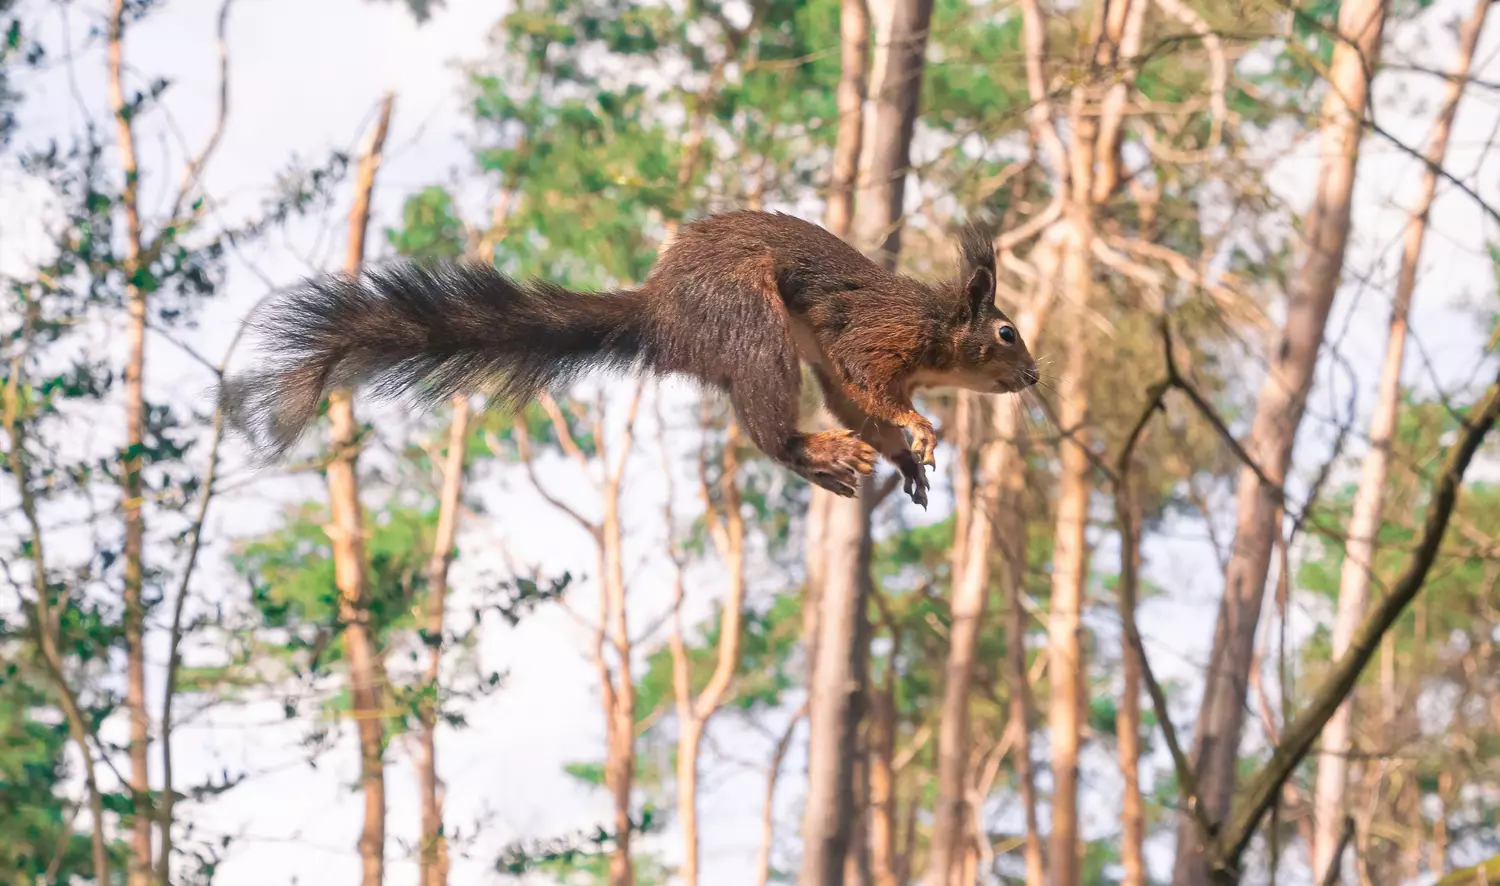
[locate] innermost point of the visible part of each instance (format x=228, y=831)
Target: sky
x=305, y=79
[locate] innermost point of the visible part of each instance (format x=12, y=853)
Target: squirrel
x=738, y=300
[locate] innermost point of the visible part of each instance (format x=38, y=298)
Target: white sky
x=305, y=78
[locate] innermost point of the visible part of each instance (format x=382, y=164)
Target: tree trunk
x=1279, y=410
x=620, y=758
x=727, y=528
x=854, y=37
x=883, y=780
x=971, y=581
x=1364, y=524
x=1066, y=670
x=433, y=860
x=347, y=535
x=140, y=865
x=768, y=816
x=895, y=95
x=835, y=704
x=1128, y=732
x=1065, y=666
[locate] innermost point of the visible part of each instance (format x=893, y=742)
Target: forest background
x=604, y=641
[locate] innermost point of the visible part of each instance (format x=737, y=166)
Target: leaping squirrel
x=735, y=301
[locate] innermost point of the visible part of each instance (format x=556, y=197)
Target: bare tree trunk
x=1010, y=537
x=971, y=580
x=768, y=817
x=433, y=856
x=857, y=854
x=1128, y=732
x=1066, y=668
x=140, y=868
x=1279, y=410
x=620, y=759
x=894, y=97
x=883, y=780
x=347, y=535
x=854, y=40
x=1359, y=550
x=727, y=529
x=836, y=695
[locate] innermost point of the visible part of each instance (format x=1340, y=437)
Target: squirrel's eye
x=1008, y=334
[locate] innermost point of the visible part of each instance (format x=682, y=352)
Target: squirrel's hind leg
x=761, y=371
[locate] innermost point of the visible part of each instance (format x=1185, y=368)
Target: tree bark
x=854, y=54
x=433, y=857
x=727, y=529
x=347, y=534
x=620, y=700
x=1364, y=523
x=835, y=704
x=895, y=95
x=1128, y=734
x=1065, y=666
x=992, y=498
x=883, y=724
x=140, y=866
x=1279, y=411
x=1066, y=669
x=768, y=816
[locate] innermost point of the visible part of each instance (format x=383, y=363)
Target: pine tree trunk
x=1128, y=732
x=835, y=704
x=883, y=781
x=620, y=703
x=140, y=866
x=727, y=528
x=1364, y=524
x=1279, y=411
x=433, y=857
x=347, y=535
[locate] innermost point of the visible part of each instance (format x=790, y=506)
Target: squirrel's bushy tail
x=423, y=331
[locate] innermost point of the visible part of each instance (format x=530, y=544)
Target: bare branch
x=1299, y=735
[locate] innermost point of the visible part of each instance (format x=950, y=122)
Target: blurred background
x=1202, y=610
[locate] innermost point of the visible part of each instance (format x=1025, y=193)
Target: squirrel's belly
x=807, y=344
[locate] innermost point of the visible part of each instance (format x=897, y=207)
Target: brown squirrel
x=734, y=301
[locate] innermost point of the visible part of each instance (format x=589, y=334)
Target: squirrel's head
x=988, y=353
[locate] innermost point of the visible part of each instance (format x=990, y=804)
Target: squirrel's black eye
x=1008, y=334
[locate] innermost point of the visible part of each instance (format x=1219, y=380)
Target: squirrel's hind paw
x=835, y=460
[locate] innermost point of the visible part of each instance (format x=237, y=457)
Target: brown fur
x=737, y=301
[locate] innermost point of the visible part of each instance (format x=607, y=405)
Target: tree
x=1354, y=583
x=1278, y=412
x=347, y=532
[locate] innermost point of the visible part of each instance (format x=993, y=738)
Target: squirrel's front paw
x=915, y=477
x=922, y=441
x=835, y=460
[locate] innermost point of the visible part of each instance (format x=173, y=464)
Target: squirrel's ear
x=980, y=290
x=977, y=252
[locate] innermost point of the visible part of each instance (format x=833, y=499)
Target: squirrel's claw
x=922, y=441
x=915, y=478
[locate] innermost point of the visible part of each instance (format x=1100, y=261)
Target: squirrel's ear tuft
x=977, y=268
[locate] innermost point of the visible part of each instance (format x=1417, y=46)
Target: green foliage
x=432, y=230
x=583, y=859
x=37, y=824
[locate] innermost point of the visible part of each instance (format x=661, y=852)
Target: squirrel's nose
x=1029, y=376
